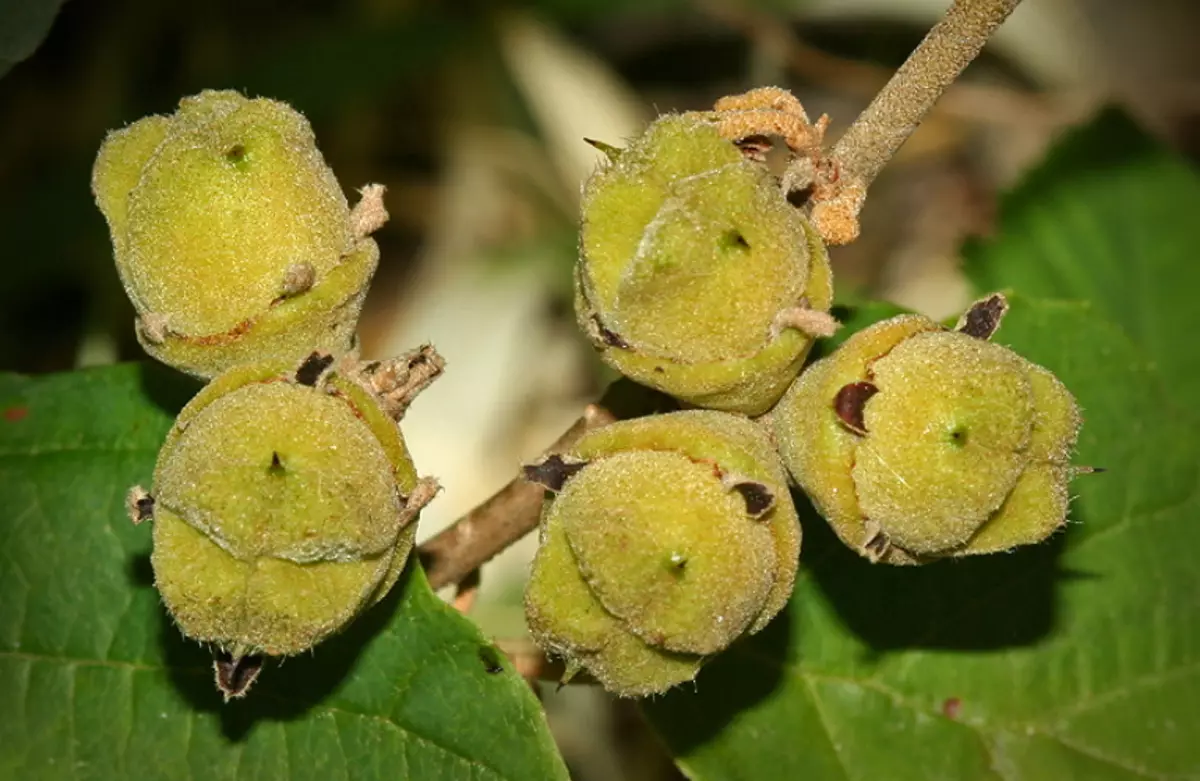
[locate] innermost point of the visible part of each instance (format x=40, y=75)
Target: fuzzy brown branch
x=995, y=104
x=867, y=146
x=451, y=556
x=900, y=106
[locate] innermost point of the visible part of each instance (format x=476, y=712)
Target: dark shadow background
x=380, y=80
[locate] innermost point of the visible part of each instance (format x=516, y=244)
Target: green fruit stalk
x=668, y=538
x=696, y=276
x=231, y=235
x=283, y=505
x=917, y=442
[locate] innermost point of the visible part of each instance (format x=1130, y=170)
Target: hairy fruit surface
x=283, y=505
x=917, y=442
x=231, y=235
x=669, y=537
x=695, y=273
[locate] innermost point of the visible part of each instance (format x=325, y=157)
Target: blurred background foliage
x=473, y=115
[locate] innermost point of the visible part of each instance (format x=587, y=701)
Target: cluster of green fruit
x=668, y=537
x=284, y=498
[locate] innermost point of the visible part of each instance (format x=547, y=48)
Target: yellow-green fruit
x=669, y=537
x=232, y=237
x=693, y=266
x=918, y=442
x=280, y=509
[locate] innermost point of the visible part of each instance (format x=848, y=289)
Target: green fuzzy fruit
x=281, y=507
x=692, y=265
x=918, y=442
x=669, y=537
x=232, y=237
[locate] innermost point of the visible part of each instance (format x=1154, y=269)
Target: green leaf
x=95, y=681
x=23, y=25
x=1110, y=217
x=1077, y=658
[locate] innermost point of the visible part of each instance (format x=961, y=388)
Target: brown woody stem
x=451, y=556
x=868, y=145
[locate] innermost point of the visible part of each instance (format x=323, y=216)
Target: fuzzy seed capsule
x=696, y=276
x=917, y=442
x=231, y=235
x=672, y=536
x=283, y=505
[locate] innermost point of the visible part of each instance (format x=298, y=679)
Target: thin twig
x=507, y=516
x=898, y=109
x=838, y=182
x=989, y=103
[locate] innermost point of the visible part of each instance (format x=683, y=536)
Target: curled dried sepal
x=284, y=505
x=696, y=276
x=918, y=442
x=232, y=236
x=669, y=537
x=139, y=505
x=398, y=381
x=235, y=675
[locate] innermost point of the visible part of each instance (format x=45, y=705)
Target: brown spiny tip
x=552, y=472
x=310, y=371
x=610, y=151
x=983, y=318
x=849, y=403
x=758, y=497
x=877, y=545
x=234, y=677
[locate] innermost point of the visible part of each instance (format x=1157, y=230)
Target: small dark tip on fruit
x=984, y=316
x=755, y=147
x=610, y=151
x=877, y=546
x=609, y=336
x=677, y=563
x=733, y=239
x=849, y=402
x=758, y=497
x=234, y=677
x=553, y=472
x=310, y=371
x=236, y=154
